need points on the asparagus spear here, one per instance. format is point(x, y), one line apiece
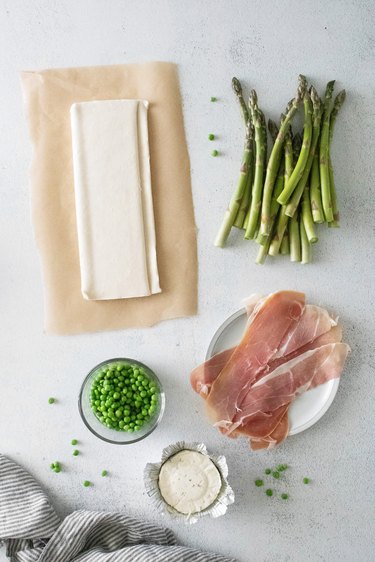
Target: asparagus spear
point(339, 100)
point(235, 201)
point(273, 129)
point(317, 114)
point(237, 88)
point(292, 150)
point(265, 241)
point(324, 154)
point(305, 244)
point(284, 248)
point(315, 194)
point(246, 198)
point(279, 184)
point(260, 148)
point(288, 150)
point(294, 238)
point(304, 154)
point(274, 159)
point(306, 217)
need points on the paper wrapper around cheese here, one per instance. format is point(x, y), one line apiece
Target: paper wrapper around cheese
point(151, 480)
point(48, 96)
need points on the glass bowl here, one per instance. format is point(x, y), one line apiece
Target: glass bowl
point(112, 435)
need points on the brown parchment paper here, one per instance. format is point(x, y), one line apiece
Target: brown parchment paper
point(48, 95)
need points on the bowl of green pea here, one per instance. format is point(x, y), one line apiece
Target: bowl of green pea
point(121, 401)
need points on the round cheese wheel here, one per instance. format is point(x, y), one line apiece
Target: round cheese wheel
point(189, 481)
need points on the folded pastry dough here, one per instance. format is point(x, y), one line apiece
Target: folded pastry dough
point(115, 218)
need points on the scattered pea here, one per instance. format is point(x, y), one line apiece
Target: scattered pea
point(51, 400)
point(75, 453)
point(74, 442)
point(104, 472)
point(87, 483)
point(56, 466)
point(276, 474)
point(211, 137)
point(269, 492)
point(215, 153)
point(268, 471)
point(213, 98)
point(306, 480)
point(259, 483)
point(284, 496)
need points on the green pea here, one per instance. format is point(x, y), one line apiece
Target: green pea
point(211, 137)
point(268, 471)
point(86, 483)
point(51, 400)
point(259, 483)
point(75, 453)
point(269, 492)
point(306, 480)
point(276, 474)
point(284, 496)
point(104, 473)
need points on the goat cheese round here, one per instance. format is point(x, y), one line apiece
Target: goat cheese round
point(189, 481)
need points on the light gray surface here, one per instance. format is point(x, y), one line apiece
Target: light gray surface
point(267, 44)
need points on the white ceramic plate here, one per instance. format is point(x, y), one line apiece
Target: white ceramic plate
point(308, 408)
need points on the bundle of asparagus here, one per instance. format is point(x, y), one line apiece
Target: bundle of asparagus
point(279, 202)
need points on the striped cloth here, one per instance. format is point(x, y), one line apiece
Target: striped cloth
point(32, 532)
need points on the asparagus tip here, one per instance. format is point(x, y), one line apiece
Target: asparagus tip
point(236, 85)
point(273, 129)
point(253, 98)
point(340, 98)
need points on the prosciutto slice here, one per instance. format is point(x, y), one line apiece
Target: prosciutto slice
point(258, 346)
point(301, 358)
point(314, 322)
point(294, 377)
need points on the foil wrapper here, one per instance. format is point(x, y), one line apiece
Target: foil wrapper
point(216, 509)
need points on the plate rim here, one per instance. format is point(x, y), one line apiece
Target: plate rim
point(334, 382)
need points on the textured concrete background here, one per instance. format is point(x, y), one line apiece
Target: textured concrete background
point(266, 44)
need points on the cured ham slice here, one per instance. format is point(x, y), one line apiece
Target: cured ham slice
point(287, 381)
point(258, 346)
point(314, 322)
point(262, 425)
point(288, 348)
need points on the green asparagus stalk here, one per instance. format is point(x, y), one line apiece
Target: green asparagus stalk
point(266, 241)
point(282, 218)
point(298, 192)
point(279, 184)
point(273, 129)
point(260, 148)
point(275, 156)
point(315, 194)
point(305, 244)
point(237, 88)
point(284, 248)
point(339, 100)
point(263, 251)
point(304, 154)
point(324, 154)
point(306, 217)
point(288, 151)
point(296, 145)
point(294, 238)
point(246, 198)
point(235, 201)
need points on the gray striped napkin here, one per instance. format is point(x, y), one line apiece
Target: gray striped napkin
point(32, 532)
